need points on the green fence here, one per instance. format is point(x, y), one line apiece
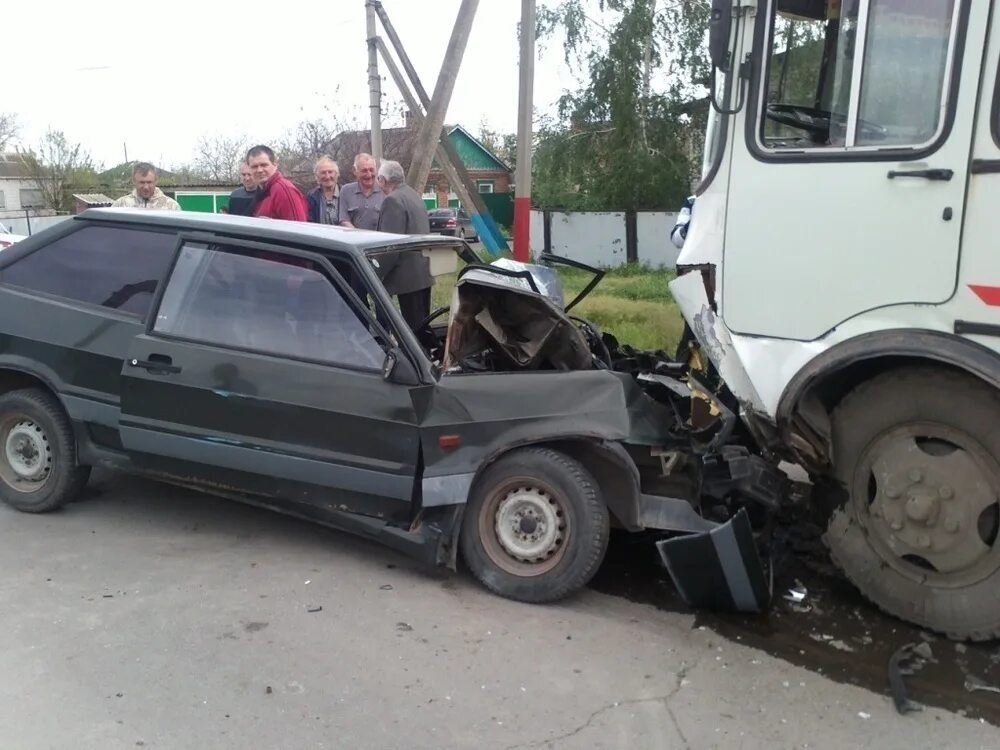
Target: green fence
point(501, 206)
point(208, 203)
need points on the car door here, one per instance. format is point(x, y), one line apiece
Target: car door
point(259, 372)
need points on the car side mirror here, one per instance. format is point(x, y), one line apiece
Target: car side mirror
point(720, 26)
point(397, 368)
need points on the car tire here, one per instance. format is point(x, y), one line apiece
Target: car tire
point(38, 469)
point(536, 527)
point(918, 452)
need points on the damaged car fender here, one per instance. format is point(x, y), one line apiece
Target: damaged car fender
point(467, 423)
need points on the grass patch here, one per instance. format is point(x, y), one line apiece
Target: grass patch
point(632, 302)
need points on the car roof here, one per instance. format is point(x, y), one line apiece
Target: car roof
point(320, 236)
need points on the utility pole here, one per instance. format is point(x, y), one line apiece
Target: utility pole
point(374, 83)
point(444, 156)
point(522, 173)
point(430, 132)
point(489, 232)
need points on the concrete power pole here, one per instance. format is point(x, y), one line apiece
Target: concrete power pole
point(461, 182)
point(444, 157)
point(374, 82)
point(522, 173)
point(430, 131)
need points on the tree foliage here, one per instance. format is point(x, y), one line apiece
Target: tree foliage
point(504, 145)
point(9, 128)
point(629, 137)
point(58, 167)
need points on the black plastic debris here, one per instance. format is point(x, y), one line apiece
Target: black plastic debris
point(907, 660)
point(720, 568)
point(386, 587)
point(314, 608)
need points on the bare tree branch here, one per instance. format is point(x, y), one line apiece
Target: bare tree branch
point(9, 128)
point(218, 157)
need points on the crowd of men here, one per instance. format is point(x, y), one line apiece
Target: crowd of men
point(379, 199)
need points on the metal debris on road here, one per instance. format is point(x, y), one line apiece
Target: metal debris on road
point(314, 608)
point(797, 594)
point(386, 587)
point(972, 684)
point(907, 660)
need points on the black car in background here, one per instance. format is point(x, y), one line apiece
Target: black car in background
point(264, 361)
point(453, 222)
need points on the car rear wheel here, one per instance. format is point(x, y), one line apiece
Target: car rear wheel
point(919, 454)
point(38, 470)
point(536, 527)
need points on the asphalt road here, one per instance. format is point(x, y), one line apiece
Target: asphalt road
point(146, 616)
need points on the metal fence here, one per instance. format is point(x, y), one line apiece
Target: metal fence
point(31, 224)
point(606, 238)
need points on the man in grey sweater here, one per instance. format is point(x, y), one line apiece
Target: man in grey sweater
point(406, 274)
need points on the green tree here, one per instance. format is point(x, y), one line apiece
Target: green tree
point(504, 145)
point(58, 168)
point(630, 136)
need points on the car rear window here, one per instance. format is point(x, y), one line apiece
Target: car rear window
point(111, 267)
point(447, 212)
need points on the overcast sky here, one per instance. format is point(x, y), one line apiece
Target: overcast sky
point(156, 76)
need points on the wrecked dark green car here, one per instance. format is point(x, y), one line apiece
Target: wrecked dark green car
point(264, 361)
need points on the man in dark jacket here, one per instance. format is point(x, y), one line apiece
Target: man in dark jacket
point(323, 199)
point(241, 200)
point(406, 274)
point(279, 198)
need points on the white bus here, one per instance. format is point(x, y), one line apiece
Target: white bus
point(842, 272)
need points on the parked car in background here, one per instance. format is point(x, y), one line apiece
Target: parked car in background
point(454, 222)
point(7, 238)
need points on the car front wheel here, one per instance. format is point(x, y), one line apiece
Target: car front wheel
point(38, 470)
point(536, 527)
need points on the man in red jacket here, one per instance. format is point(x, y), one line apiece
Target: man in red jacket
point(277, 197)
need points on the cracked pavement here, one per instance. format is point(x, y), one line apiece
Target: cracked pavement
point(155, 617)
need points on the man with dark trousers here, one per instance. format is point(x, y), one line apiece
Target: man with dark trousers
point(406, 274)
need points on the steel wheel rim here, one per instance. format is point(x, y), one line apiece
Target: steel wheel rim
point(923, 493)
point(524, 527)
point(26, 456)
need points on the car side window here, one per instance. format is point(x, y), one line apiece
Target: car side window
point(264, 302)
point(109, 266)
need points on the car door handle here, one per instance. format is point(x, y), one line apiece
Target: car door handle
point(155, 363)
point(943, 175)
